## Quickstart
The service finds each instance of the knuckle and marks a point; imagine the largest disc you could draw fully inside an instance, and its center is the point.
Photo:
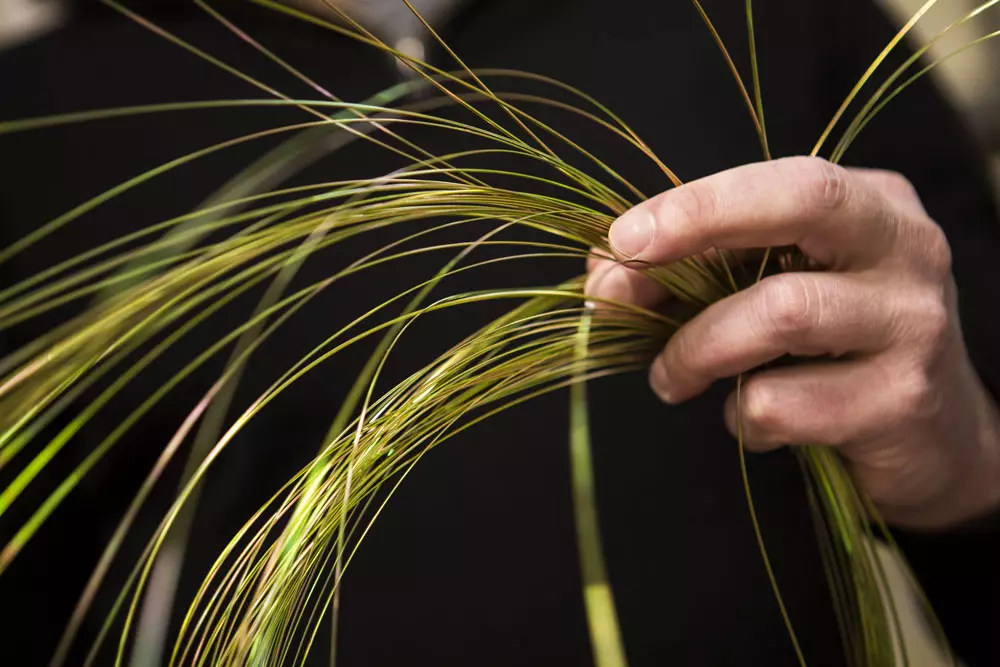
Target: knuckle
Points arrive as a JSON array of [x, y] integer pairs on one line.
[[786, 305], [915, 394], [825, 186], [932, 318], [691, 204], [900, 185], [936, 252]]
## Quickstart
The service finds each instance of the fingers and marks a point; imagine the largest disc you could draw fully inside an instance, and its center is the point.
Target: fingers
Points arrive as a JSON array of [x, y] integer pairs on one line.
[[803, 314], [615, 282], [834, 216], [832, 404], [895, 187], [612, 281]]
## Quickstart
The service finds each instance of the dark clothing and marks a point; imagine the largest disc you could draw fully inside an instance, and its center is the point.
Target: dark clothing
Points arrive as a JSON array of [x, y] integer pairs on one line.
[[474, 559]]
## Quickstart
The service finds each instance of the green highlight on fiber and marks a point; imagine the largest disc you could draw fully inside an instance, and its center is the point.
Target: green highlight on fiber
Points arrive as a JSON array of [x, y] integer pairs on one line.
[[268, 592]]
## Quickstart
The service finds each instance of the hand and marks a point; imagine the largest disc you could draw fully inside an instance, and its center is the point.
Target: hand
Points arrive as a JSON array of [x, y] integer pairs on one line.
[[894, 390]]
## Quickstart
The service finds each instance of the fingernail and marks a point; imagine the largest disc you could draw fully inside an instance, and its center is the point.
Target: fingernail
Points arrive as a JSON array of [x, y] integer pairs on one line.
[[660, 382], [632, 233]]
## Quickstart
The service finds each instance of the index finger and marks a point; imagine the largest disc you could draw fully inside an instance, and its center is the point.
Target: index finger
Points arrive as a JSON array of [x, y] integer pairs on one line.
[[833, 216]]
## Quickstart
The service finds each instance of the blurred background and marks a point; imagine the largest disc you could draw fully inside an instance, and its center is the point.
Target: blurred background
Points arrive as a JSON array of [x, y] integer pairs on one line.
[[970, 80]]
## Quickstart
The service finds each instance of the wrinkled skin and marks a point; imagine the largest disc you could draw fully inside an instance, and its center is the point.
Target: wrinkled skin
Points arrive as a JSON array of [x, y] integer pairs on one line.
[[886, 378]]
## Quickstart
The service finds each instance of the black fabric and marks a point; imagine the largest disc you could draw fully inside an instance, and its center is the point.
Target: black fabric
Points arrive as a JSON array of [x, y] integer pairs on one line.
[[474, 561]]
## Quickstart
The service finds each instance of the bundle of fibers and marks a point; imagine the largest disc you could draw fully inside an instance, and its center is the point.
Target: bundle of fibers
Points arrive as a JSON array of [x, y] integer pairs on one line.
[[278, 579]]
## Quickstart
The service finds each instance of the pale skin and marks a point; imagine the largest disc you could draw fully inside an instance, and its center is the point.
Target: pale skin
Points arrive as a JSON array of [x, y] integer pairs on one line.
[[889, 382]]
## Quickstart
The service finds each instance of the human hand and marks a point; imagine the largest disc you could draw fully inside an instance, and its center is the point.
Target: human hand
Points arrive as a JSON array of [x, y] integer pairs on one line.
[[894, 390]]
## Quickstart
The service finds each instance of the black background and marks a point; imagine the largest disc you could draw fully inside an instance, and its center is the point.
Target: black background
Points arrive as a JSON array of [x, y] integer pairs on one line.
[[474, 559]]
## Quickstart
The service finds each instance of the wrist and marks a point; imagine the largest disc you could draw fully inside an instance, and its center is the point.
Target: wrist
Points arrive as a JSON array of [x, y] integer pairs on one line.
[[970, 493]]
